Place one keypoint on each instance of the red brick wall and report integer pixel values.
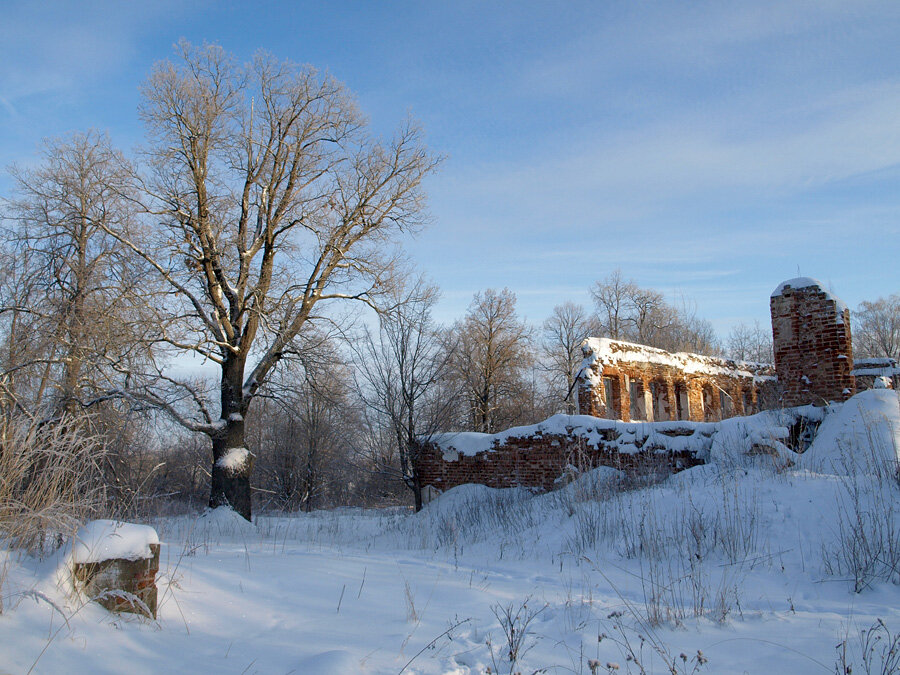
(537, 461)
(813, 348)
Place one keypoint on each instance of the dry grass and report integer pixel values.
(50, 481)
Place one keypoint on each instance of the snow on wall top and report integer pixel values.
(100, 540)
(879, 367)
(809, 282)
(609, 352)
(589, 428)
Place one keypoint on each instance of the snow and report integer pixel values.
(100, 540)
(879, 367)
(626, 437)
(742, 559)
(869, 423)
(233, 459)
(610, 352)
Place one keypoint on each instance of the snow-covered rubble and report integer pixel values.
(627, 437)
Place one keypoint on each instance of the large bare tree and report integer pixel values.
(270, 200)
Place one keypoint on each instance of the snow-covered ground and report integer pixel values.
(754, 564)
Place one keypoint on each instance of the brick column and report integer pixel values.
(813, 348)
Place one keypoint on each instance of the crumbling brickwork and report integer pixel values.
(538, 459)
(625, 381)
(117, 582)
(812, 343)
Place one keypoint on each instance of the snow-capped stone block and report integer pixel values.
(115, 564)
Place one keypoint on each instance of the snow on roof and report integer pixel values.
(608, 351)
(809, 282)
(100, 540)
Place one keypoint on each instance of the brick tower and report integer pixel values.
(811, 337)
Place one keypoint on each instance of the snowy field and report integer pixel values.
(742, 565)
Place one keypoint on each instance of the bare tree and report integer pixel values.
(403, 371)
(492, 357)
(612, 297)
(630, 312)
(877, 328)
(70, 303)
(750, 343)
(563, 333)
(687, 332)
(271, 200)
(299, 430)
(651, 318)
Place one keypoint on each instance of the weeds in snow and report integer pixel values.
(638, 649)
(876, 652)
(866, 545)
(49, 481)
(515, 622)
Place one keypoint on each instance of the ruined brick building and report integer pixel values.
(638, 404)
(629, 382)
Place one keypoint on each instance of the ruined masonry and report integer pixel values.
(642, 408)
(811, 338)
(629, 382)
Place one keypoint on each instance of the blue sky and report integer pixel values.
(710, 149)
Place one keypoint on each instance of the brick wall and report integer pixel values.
(813, 348)
(539, 459)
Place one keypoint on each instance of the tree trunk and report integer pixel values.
(232, 461)
(417, 494)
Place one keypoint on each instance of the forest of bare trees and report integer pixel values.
(225, 318)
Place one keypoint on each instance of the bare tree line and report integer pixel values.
(257, 223)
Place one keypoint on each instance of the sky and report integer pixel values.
(709, 150)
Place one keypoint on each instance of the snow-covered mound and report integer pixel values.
(222, 520)
(860, 435)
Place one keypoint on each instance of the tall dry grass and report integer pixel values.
(50, 481)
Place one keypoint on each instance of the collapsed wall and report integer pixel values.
(812, 343)
(631, 382)
(542, 455)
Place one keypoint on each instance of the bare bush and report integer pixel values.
(639, 647)
(515, 621)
